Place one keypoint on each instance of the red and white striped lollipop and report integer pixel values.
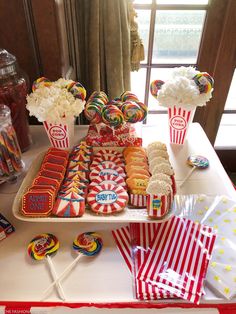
(107, 198)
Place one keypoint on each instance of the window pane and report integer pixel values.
(142, 1)
(231, 98)
(225, 136)
(138, 81)
(143, 20)
(177, 36)
(197, 2)
(158, 74)
(156, 119)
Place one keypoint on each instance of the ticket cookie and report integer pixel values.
(105, 169)
(107, 198)
(37, 203)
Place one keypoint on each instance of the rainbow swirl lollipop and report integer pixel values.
(155, 87)
(88, 243)
(41, 81)
(77, 90)
(128, 96)
(144, 109)
(132, 112)
(43, 246)
(204, 82)
(196, 162)
(112, 116)
(93, 112)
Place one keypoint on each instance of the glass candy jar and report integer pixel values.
(10, 155)
(13, 91)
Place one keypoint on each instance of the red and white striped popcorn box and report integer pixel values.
(179, 121)
(158, 205)
(138, 200)
(178, 258)
(60, 134)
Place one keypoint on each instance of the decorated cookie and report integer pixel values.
(107, 198)
(137, 184)
(109, 179)
(105, 169)
(37, 203)
(108, 153)
(69, 205)
(103, 159)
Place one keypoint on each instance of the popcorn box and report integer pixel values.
(60, 134)
(138, 200)
(6, 227)
(179, 121)
(103, 135)
(158, 205)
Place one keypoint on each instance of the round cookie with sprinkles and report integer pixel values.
(107, 198)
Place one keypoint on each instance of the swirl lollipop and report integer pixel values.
(77, 90)
(112, 116)
(204, 82)
(132, 112)
(93, 112)
(196, 162)
(86, 244)
(43, 246)
(41, 81)
(155, 87)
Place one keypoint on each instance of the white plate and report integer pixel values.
(128, 215)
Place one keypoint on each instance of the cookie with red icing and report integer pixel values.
(107, 198)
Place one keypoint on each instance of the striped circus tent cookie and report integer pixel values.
(107, 198)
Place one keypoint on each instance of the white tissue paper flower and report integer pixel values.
(54, 103)
(182, 91)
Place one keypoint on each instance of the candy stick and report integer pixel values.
(88, 244)
(45, 245)
(197, 162)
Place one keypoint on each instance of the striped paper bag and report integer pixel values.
(179, 120)
(60, 134)
(141, 235)
(178, 258)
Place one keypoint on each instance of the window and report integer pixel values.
(171, 31)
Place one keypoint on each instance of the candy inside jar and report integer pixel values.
(11, 163)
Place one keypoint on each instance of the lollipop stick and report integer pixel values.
(62, 275)
(187, 176)
(54, 276)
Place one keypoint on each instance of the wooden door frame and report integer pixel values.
(217, 56)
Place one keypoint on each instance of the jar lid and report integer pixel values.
(7, 62)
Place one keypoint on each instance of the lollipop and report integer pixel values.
(112, 116)
(144, 109)
(132, 112)
(128, 96)
(204, 82)
(88, 244)
(155, 87)
(196, 162)
(93, 112)
(43, 246)
(77, 90)
(41, 81)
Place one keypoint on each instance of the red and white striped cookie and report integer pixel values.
(105, 169)
(104, 159)
(108, 152)
(109, 178)
(107, 198)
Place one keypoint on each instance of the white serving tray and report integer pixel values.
(128, 215)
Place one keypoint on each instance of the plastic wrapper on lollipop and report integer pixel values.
(111, 122)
